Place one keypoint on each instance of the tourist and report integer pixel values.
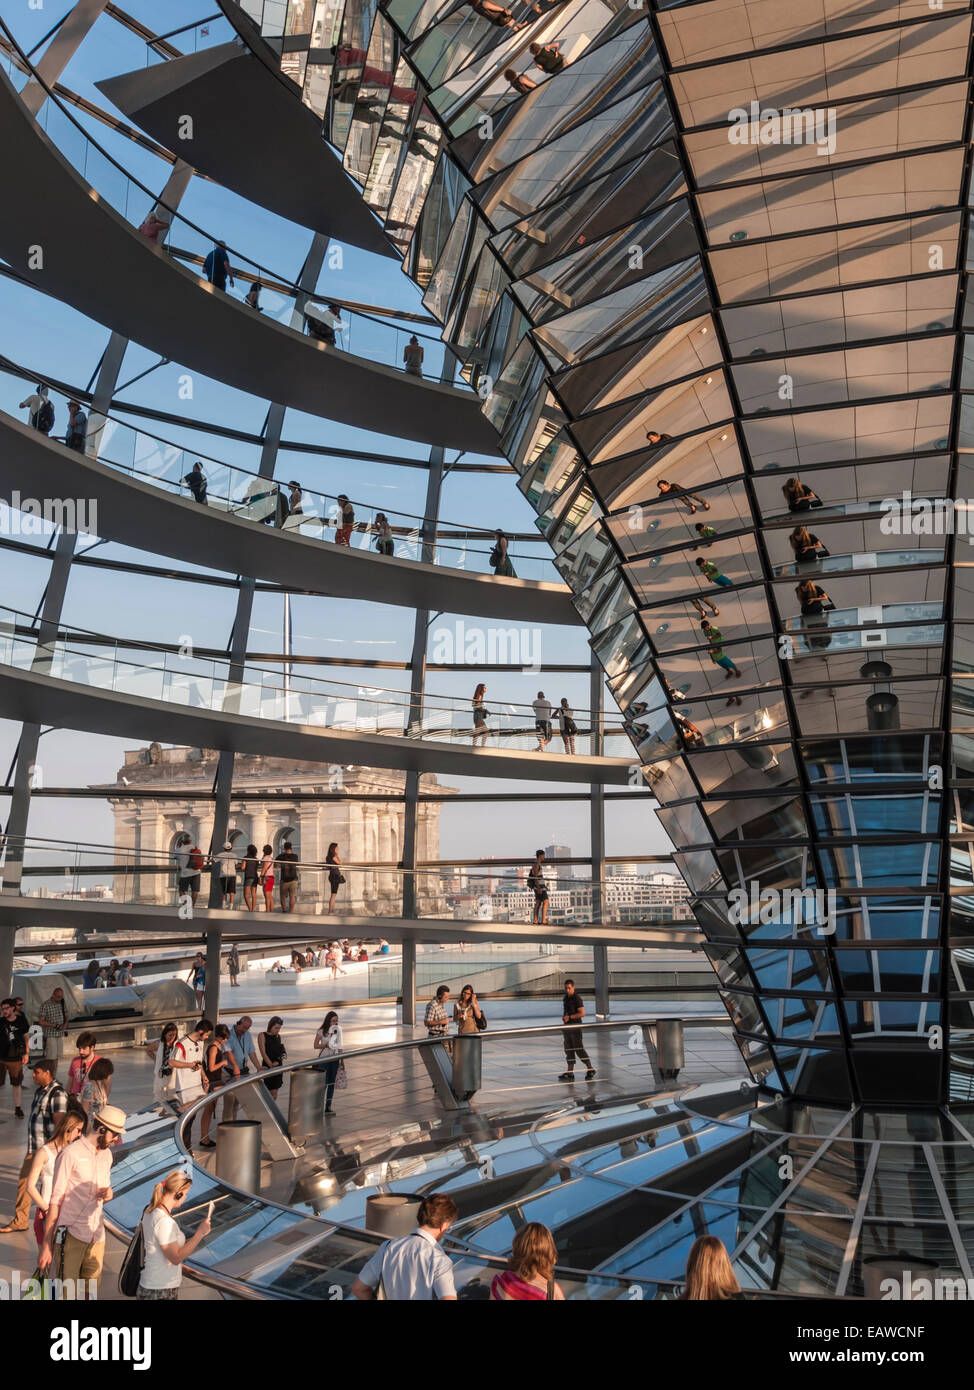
(187, 1060)
(332, 962)
(436, 1020)
(335, 876)
(480, 715)
(53, 1018)
(328, 1041)
(530, 1270)
(14, 1049)
(690, 734)
(196, 481)
(536, 878)
(384, 540)
(655, 438)
(266, 877)
(227, 861)
(155, 226)
(466, 1055)
(519, 81)
(346, 520)
(678, 493)
(701, 604)
(76, 434)
(273, 1053)
(241, 1045)
(710, 1274)
(362, 956)
(414, 1269)
(799, 497)
(82, 1185)
(295, 497)
(719, 657)
(41, 417)
(815, 603)
(49, 1104)
(806, 547)
(161, 1053)
(40, 1179)
(288, 861)
(495, 13)
(542, 720)
(233, 956)
(310, 959)
(82, 1063)
(216, 267)
(111, 972)
(499, 560)
(710, 571)
(567, 726)
(252, 297)
(707, 534)
(189, 864)
(412, 356)
(220, 1065)
(297, 961)
(548, 57)
(164, 1246)
(97, 1088)
(125, 978)
(196, 976)
(573, 1011)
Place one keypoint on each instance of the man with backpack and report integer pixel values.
(189, 866)
(41, 410)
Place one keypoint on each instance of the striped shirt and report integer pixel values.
(436, 1020)
(48, 1105)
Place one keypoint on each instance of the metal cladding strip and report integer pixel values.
(773, 292)
(137, 513)
(148, 917)
(152, 300)
(69, 704)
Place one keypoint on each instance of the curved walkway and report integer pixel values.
(242, 119)
(139, 513)
(67, 913)
(98, 262)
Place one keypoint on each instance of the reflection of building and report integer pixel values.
(657, 897)
(367, 832)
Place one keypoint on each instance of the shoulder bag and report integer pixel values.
(133, 1262)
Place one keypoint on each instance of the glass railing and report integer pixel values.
(451, 892)
(361, 334)
(205, 683)
(861, 560)
(267, 502)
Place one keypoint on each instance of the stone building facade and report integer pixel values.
(368, 832)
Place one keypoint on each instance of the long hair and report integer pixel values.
(806, 590)
(791, 489)
(710, 1274)
(71, 1120)
(533, 1252)
(165, 1029)
(479, 692)
(800, 538)
(329, 1017)
(175, 1182)
(331, 850)
(251, 851)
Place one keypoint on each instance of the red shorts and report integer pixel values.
(269, 883)
(343, 535)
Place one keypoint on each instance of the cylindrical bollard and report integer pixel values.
(391, 1213)
(669, 1047)
(238, 1153)
(306, 1103)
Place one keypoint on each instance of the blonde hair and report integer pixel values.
(710, 1274)
(533, 1252)
(175, 1182)
(71, 1119)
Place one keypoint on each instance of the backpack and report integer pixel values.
(133, 1262)
(195, 859)
(45, 418)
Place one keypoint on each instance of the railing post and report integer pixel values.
(409, 984)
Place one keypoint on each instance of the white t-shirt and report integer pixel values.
(542, 709)
(332, 1041)
(159, 1229)
(187, 1085)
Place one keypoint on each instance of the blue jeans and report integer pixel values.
(331, 1071)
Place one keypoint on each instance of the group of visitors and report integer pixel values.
(257, 871)
(41, 417)
(542, 709)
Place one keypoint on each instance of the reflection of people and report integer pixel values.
(656, 438)
(814, 601)
(719, 657)
(548, 57)
(710, 571)
(520, 81)
(807, 547)
(799, 497)
(497, 14)
(690, 734)
(690, 499)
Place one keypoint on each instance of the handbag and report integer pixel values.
(341, 879)
(341, 1077)
(133, 1262)
(482, 1022)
